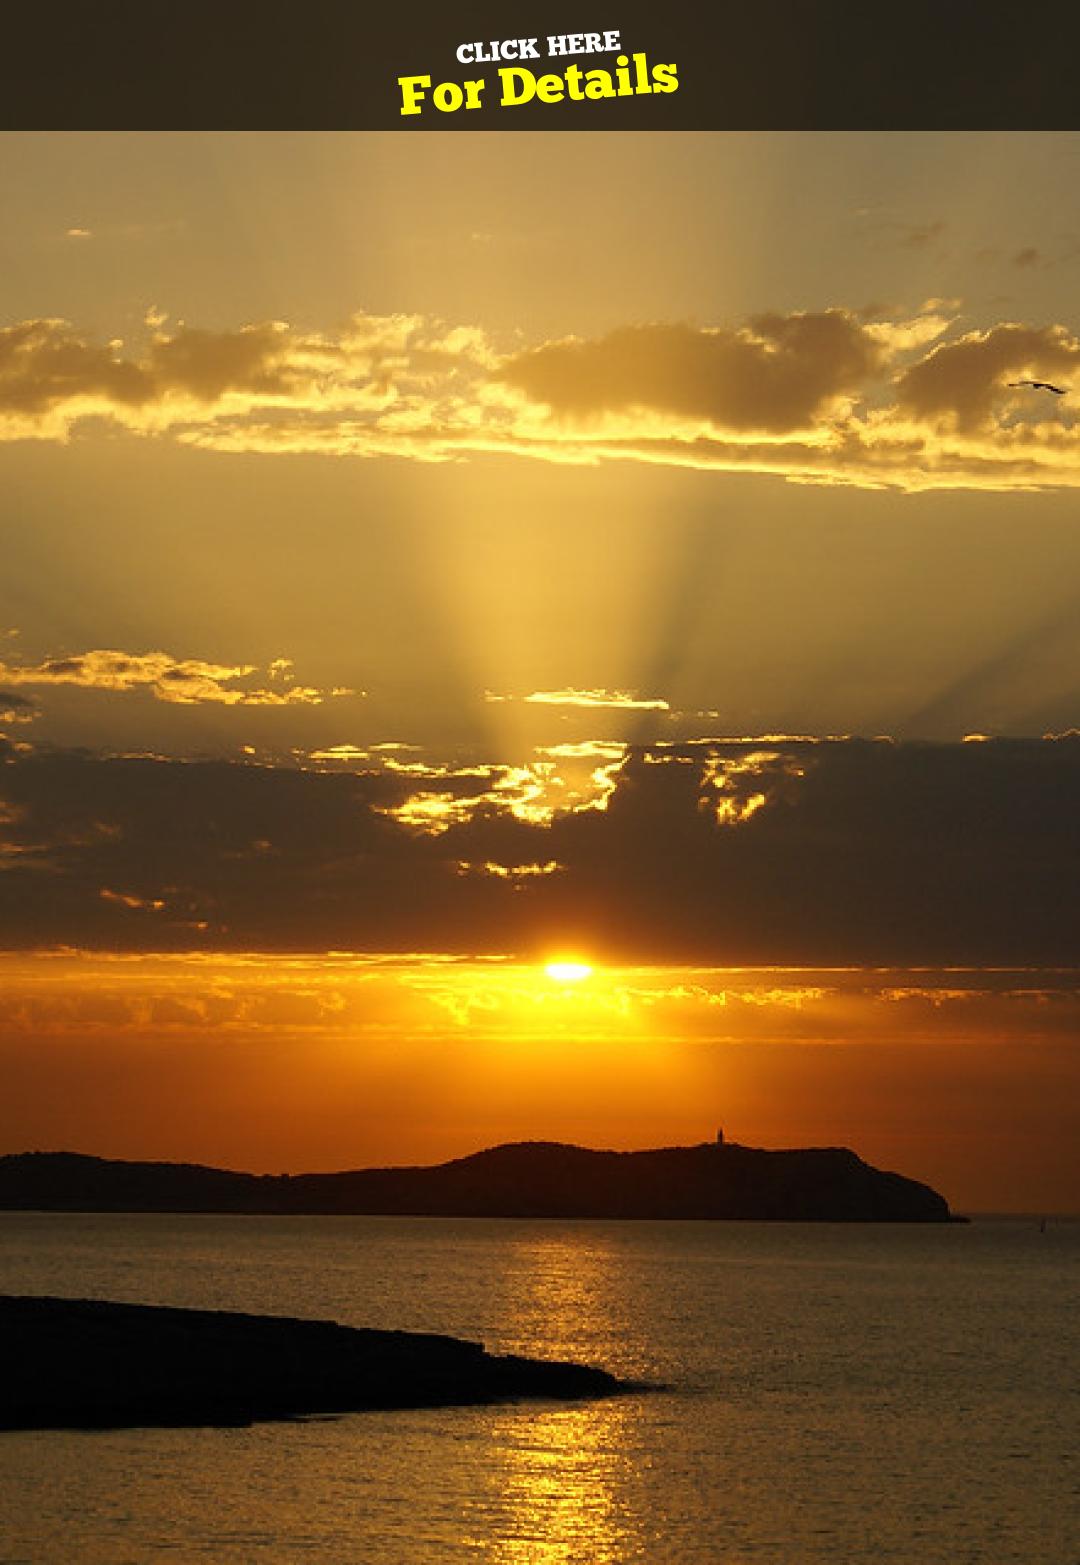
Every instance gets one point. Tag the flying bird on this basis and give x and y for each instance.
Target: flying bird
(1041, 385)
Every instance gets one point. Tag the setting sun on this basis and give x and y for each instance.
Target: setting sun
(568, 972)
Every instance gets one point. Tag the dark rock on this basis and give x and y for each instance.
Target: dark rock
(91, 1364)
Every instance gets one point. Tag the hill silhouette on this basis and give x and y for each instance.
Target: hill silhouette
(522, 1179)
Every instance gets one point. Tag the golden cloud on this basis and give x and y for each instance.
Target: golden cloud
(515, 873)
(97, 996)
(609, 699)
(833, 396)
(180, 681)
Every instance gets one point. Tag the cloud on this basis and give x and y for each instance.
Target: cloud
(533, 793)
(180, 681)
(516, 873)
(357, 998)
(186, 380)
(15, 708)
(154, 906)
(776, 376)
(962, 382)
(616, 700)
(819, 853)
(586, 749)
(834, 396)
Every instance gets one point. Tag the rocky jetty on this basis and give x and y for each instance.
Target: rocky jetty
(524, 1179)
(90, 1364)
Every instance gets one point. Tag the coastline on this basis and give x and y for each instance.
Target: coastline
(96, 1364)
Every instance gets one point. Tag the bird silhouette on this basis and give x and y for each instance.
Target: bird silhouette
(1041, 385)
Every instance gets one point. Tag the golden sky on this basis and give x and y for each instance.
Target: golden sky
(620, 545)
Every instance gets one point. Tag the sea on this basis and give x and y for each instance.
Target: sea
(814, 1394)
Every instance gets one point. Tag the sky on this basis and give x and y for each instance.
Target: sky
(430, 556)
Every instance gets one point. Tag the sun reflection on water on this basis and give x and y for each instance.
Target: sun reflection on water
(564, 1481)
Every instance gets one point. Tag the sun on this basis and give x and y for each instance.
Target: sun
(568, 972)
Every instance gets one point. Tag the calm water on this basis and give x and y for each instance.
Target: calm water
(840, 1395)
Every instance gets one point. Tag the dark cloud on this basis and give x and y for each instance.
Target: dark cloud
(965, 379)
(760, 851)
(775, 376)
(12, 702)
(48, 364)
(44, 364)
(207, 364)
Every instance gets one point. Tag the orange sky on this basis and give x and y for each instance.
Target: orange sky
(965, 1079)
